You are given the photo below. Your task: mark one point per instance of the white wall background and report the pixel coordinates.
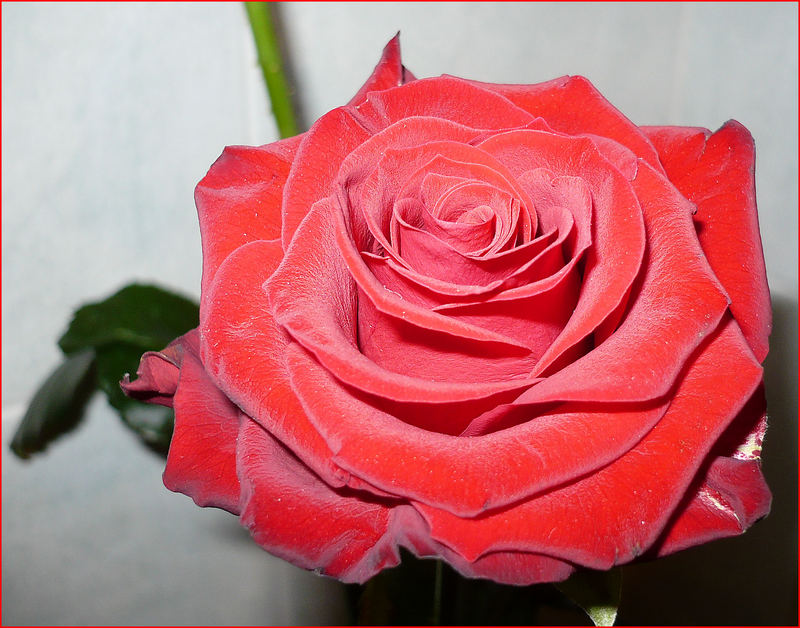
(110, 115)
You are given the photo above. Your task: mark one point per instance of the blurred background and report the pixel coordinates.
(113, 112)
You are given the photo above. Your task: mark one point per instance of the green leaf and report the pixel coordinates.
(136, 319)
(142, 316)
(104, 341)
(596, 592)
(58, 405)
(152, 423)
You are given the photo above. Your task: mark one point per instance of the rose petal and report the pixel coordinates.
(282, 502)
(678, 303)
(157, 376)
(514, 567)
(201, 460)
(239, 200)
(428, 256)
(444, 97)
(571, 104)
(619, 238)
(518, 568)
(432, 293)
(202, 454)
(733, 497)
(324, 147)
(331, 138)
(612, 515)
(716, 172)
(731, 493)
(465, 476)
(389, 72)
(400, 347)
(534, 320)
(244, 353)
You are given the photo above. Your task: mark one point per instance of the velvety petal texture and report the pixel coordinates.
(498, 325)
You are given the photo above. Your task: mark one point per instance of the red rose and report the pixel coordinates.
(497, 324)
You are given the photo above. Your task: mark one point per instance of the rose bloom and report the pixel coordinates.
(499, 325)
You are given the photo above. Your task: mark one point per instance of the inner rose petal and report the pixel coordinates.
(614, 260)
(476, 215)
(428, 292)
(429, 257)
(401, 347)
(420, 204)
(473, 203)
(353, 169)
(475, 234)
(435, 187)
(369, 191)
(518, 273)
(444, 175)
(322, 260)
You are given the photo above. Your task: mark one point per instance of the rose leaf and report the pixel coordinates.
(142, 316)
(116, 331)
(58, 405)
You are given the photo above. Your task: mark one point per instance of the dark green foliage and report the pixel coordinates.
(104, 341)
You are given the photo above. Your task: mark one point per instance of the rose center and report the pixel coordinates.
(476, 215)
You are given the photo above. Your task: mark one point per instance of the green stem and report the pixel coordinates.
(437, 595)
(269, 57)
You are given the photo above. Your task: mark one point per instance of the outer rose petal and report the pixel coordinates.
(201, 461)
(202, 454)
(157, 376)
(390, 72)
(444, 97)
(244, 352)
(730, 494)
(332, 138)
(318, 165)
(466, 476)
(572, 105)
(646, 354)
(716, 172)
(239, 200)
(517, 568)
(354, 537)
(611, 516)
(733, 496)
(295, 516)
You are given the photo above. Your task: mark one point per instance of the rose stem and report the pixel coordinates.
(437, 595)
(269, 57)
